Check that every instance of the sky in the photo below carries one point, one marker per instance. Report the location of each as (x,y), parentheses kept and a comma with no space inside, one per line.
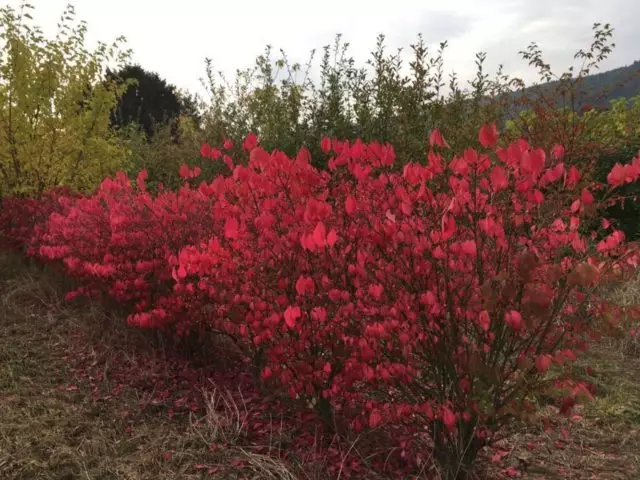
(173,38)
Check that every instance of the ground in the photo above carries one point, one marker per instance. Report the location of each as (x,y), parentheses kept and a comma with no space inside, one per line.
(70,409)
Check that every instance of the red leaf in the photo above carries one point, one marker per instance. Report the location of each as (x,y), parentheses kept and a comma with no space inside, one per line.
(498,456)
(436,138)
(320,235)
(567,405)
(484,320)
(205,150)
(376,291)
(569,355)
(575,206)
(586,197)
(390,216)
(215,154)
(325,144)
(488,135)
(250,142)
(182,272)
(267,373)
(557,152)
(303,156)
(350,205)
(434,164)
(543,363)
(574,223)
(538,197)
(319,314)
(617,175)
(304,285)
(514,320)
(538,159)
(573,177)
(448,419)
(448,226)
(231,228)
(511,472)
(375,419)
(184,171)
(498,177)
(332,238)
(291,314)
(468,247)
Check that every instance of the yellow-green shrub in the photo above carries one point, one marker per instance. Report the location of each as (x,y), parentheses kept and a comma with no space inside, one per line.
(55,106)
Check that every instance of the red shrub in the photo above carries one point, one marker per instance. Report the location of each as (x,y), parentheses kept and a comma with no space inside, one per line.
(442,299)
(391,301)
(22,220)
(118,244)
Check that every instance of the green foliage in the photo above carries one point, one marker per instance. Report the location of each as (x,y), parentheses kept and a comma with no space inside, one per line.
(387,99)
(148,100)
(391,101)
(54,107)
(553,111)
(623,119)
(383,100)
(171,145)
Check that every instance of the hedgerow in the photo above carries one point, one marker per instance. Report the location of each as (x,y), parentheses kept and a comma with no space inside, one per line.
(438,302)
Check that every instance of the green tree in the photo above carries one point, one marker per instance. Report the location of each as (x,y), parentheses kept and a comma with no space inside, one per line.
(149,100)
(55,106)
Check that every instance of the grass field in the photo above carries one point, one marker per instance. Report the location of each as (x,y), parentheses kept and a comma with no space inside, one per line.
(68,410)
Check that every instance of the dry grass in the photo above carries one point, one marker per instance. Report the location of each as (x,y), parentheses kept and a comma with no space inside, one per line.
(226,421)
(51,427)
(628,294)
(59,420)
(604,437)
(601,441)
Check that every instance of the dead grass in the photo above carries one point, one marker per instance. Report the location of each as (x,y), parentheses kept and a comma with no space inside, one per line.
(628,294)
(53,423)
(603,439)
(66,411)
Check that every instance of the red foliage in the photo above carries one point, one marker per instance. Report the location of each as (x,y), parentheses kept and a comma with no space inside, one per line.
(22,220)
(438,297)
(488,135)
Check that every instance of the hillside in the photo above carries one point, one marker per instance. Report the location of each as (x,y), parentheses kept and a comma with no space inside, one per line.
(616,83)
(599,89)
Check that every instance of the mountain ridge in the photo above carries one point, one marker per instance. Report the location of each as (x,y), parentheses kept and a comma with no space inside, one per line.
(598,90)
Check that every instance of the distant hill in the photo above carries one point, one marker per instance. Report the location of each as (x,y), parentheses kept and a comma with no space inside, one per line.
(623,82)
(599,89)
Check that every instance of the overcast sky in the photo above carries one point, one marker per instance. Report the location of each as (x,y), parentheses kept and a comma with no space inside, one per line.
(173,38)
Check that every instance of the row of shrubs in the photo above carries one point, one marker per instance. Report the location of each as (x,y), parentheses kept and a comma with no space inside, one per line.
(440,300)
(90,124)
